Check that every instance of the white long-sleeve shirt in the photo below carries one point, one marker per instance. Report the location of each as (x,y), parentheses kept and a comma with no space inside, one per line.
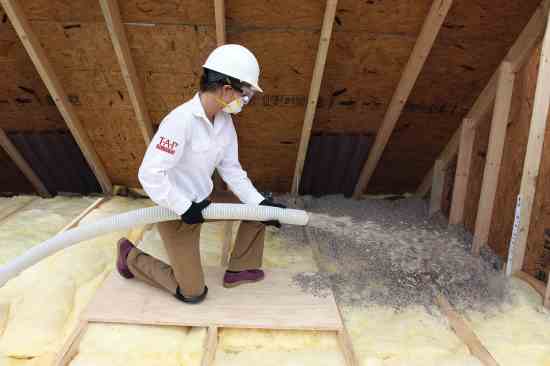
(178,165)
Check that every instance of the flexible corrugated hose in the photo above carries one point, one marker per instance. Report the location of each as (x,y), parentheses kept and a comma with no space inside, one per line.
(144,216)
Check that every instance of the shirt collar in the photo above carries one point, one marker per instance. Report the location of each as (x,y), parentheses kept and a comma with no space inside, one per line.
(198,111)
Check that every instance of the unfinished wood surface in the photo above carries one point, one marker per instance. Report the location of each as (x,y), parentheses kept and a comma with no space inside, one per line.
(491,173)
(70,349)
(465,333)
(531,166)
(274,303)
(537,285)
(226,245)
(41,62)
(315,87)
(83,214)
(464,161)
(111,12)
(219,13)
(22,164)
(547,296)
(517,55)
(345,343)
(14,209)
(210,346)
(422,48)
(436,197)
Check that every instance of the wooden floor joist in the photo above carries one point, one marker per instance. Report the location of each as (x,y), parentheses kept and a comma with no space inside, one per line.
(117,32)
(5,214)
(463,168)
(210,346)
(315,87)
(465,333)
(537,285)
(83,214)
(491,173)
(426,39)
(517,55)
(22,164)
(40,60)
(533,157)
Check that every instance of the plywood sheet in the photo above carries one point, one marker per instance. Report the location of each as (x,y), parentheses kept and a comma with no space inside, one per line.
(274,303)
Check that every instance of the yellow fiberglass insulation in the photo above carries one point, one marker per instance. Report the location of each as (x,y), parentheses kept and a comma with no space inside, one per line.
(36,222)
(47,298)
(277,347)
(382,336)
(114,344)
(517,334)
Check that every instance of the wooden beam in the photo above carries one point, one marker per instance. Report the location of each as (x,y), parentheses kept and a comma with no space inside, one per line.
(537,285)
(491,173)
(117,32)
(517,55)
(438,186)
(531,167)
(462,175)
(421,50)
(22,164)
(83,214)
(70,349)
(318,71)
(43,66)
(6,213)
(210,346)
(465,333)
(219,13)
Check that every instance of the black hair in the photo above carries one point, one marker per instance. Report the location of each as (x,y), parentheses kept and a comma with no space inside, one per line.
(212,80)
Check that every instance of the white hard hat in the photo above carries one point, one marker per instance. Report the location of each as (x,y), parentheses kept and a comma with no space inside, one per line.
(236,61)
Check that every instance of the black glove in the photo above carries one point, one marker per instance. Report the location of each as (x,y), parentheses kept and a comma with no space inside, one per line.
(269,202)
(193,215)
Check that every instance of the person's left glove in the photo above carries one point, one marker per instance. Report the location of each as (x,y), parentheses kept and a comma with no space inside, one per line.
(269,202)
(193,215)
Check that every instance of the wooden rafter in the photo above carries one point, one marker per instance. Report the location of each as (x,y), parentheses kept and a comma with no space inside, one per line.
(533,157)
(117,32)
(428,34)
(517,55)
(49,77)
(463,168)
(497,137)
(315,87)
(22,164)
(219,10)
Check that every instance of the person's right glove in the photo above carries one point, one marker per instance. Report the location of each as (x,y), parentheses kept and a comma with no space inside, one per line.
(269,202)
(193,215)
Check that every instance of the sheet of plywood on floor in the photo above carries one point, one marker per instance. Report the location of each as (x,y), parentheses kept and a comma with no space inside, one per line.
(23,97)
(274,303)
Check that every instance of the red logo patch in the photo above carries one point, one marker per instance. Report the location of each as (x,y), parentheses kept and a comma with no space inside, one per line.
(167,146)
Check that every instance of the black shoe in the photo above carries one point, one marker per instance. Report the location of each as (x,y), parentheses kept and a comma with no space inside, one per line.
(191,299)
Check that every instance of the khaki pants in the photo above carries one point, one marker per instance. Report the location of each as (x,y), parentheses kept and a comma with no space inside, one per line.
(182,246)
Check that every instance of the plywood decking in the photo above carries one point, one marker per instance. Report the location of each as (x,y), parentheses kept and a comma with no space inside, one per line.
(275,303)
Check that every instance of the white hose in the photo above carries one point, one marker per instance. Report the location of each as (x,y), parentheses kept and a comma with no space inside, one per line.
(144,216)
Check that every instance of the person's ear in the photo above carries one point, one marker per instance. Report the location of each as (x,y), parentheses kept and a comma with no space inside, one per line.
(227,93)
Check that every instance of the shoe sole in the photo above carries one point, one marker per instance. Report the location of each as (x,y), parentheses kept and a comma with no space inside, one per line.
(235,284)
